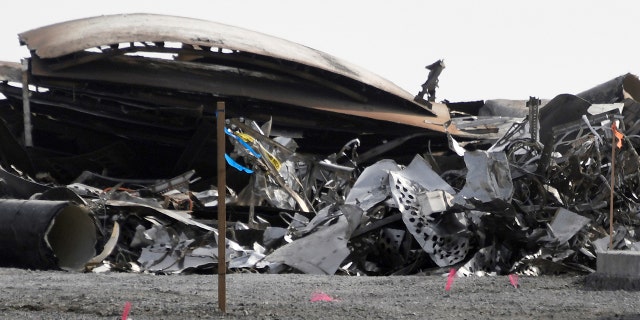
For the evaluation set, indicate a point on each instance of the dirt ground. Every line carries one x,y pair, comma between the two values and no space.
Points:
62,295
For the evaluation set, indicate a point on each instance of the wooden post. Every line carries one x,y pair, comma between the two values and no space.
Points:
222,208
613,184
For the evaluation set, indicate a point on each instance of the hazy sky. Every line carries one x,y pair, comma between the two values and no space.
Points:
492,48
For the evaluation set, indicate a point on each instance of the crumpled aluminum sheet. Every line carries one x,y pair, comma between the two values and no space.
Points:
372,186
169,252
488,176
565,225
322,251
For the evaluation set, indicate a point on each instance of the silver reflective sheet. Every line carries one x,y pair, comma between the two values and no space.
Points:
323,251
488,177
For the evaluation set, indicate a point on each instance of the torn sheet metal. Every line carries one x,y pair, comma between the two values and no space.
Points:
605,108
565,225
455,146
323,251
440,233
560,110
171,252
167,252
108,247
17,187
422,196
371,187
421,172
181,216
488,177
247,259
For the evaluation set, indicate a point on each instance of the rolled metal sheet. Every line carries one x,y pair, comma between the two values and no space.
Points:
39,234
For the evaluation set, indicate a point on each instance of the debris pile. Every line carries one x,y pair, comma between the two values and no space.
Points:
331,170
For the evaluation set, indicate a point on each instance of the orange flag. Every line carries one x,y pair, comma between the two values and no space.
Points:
617,134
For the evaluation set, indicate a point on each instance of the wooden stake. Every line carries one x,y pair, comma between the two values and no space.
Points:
613,180
222,208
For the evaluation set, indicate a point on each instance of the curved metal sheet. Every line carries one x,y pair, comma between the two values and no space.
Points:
614,90
72,36
124,70
10,71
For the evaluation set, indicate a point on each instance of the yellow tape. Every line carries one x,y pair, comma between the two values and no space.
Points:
245,137
273,160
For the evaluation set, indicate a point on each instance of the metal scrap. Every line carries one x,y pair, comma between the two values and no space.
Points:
337,171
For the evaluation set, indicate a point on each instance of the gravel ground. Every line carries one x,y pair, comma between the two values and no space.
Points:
61,295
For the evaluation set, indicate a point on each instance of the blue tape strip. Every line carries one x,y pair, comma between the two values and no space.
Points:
236,165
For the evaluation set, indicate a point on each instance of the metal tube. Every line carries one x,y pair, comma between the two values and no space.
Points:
42,234
26,106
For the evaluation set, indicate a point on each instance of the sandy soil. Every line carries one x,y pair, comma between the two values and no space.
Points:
62,295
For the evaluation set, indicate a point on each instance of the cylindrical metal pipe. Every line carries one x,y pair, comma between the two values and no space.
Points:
26,106
615,90
40,234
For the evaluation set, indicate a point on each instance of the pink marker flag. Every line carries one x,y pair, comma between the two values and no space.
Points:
452,274
321,296
125,312
513,278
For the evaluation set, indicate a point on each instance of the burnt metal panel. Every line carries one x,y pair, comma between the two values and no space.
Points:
65,38
224,81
